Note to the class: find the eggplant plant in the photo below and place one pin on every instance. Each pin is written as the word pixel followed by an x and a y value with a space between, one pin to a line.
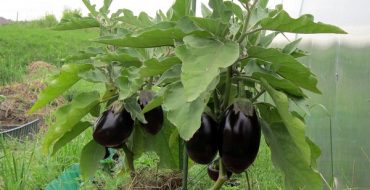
pixel 218 65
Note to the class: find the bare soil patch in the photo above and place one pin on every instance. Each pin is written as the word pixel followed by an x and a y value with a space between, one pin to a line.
pixel 19 98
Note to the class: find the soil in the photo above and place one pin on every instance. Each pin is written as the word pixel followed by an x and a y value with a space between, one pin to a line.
pixel 19 98
pixel 150 179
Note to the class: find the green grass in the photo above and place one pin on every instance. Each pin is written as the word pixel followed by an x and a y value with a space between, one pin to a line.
pixel 21 44
pixel 23 166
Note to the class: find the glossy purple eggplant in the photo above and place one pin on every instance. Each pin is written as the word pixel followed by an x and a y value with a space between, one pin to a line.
pixel 240 136
pixel 202 147
pixel 113 128
pixel 154 120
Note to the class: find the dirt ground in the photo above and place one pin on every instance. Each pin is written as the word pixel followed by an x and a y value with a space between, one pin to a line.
pixel 19 98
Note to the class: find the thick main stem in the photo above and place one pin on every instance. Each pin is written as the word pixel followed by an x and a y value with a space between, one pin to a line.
pixel 227 87
pixel 185 160
pixel 222 176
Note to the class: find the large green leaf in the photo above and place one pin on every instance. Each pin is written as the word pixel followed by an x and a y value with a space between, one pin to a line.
pixel 127 59
pixel 286 66
pixel 180 8
pixel 95 75
pixel 220 11
pixel 286 153
pixel 183 114
pixel 129 82
pixel 67 116
pixel 68 77
pixel 171 75
pixel 280 84
pixel 153 67
pixel 132 22
pixel 162 34
pixel 236 9
pixel 161 143
pixel 85 54
pixel 74 23
pixel 213 26
pixel 91 155
pixel 294 126
pixel 305 24
pixel 201 62
pixel 69 136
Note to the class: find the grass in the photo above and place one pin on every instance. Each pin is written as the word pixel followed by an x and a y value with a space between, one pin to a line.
pixel 23 43
pixel 23 166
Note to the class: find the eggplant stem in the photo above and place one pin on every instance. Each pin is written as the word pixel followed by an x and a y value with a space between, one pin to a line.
pixel 129 158
pixel 185 160
pixel 222 177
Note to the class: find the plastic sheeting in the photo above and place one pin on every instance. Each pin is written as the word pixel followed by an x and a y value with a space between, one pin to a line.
pixel 342 65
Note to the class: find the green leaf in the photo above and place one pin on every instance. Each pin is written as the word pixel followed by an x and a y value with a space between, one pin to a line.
pixel 266 40
pixel 126 59
pixel 129 82
pixel 185 115
pixel 280 84
pixel 162 144
pixel 294 126
pixel 238 12
pixel 95 76
pixel 171 75
pixel 205 11
pixel 286 66
pixel 69 136
pixel 105 8
pixel 91 8
pixel 134 23
pixel 67 77
pixel 74 23
pixel 213 26
pixel 286 153
pixel 292 46
pixel 153 67
pixel 131 105
pixel 67 116
pixel 220 11
pixel 303 25
pixel 201 62
pixel 91 155
pixel 156 101
pixel 180 9
pixel 86 54
pixel 161 34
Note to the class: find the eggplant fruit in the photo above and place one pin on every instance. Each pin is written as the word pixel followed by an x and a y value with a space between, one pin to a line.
pixel 213 172
pixel 240 136
pixel 113 128
pixel 202 147
pixel 154 120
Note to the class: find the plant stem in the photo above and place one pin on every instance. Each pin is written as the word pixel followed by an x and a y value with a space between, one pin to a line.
pixel 227 87
pixel 216 104
pixel 258 95
pixel 222 176
pixel 129 158
pixel 247 79
pixel 246 23
pixel 185 168
pixel 249 185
